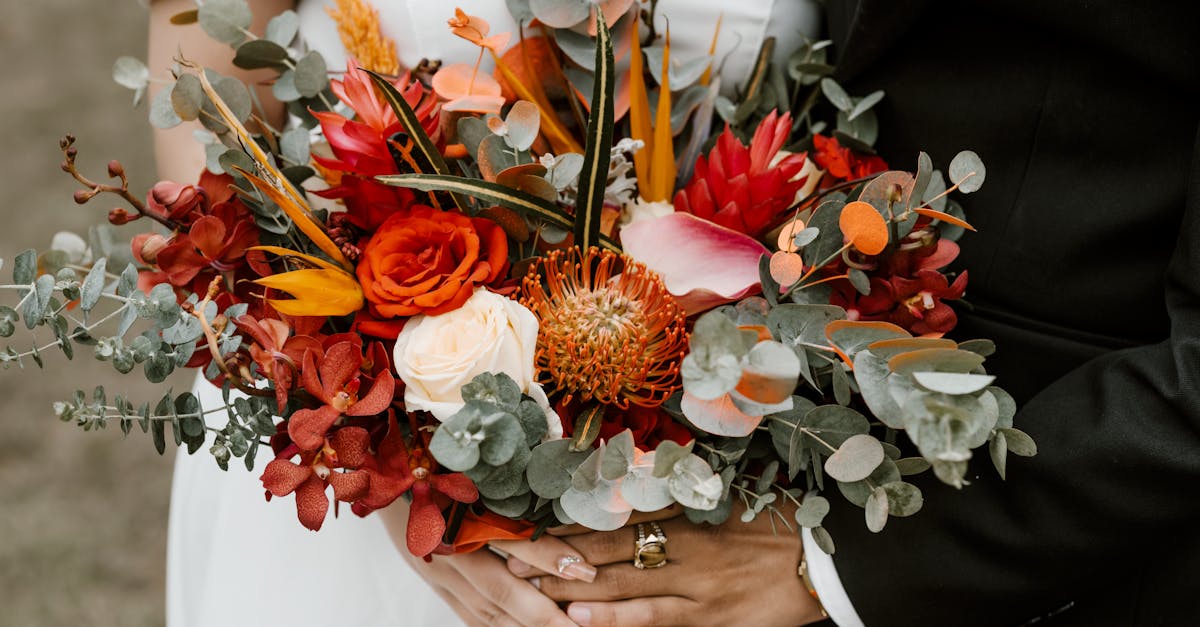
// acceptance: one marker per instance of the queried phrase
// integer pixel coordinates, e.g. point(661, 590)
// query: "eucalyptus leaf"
point(587, 509)
point(131, 73)
point(282, 28)
point(998, 450)
point(225, 20)
point(1019, 442)
point(967, 171)
point(162, 113)
point(872, 375)
point(644, 491)
point(912, 465)
point(261, 53)
point(694, 484)
point(877, 510)
point(953, 383)
point(865, 103)
point(855, 459)
point(984, 348)
point(904, 499)
point(284, 87)
point(836, 95)
point(824, 540)
point(311, 77)
point(294, 144)
point(924, 175)
point(812, 511)
point(668, 454)
point(93, 285)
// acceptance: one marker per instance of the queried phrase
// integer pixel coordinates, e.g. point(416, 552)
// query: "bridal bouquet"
point(518, 306)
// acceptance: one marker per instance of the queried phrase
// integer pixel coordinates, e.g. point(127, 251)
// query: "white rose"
point(436, 356)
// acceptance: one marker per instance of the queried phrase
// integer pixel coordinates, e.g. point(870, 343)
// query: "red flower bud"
point(117, 216)
point(146, 247)
point(115, 169)
point(84, 195)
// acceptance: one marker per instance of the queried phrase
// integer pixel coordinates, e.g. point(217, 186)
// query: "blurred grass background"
point(84, 515)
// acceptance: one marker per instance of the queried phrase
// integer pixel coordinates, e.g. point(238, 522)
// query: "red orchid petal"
point(208, 235)
point(309, 376)
point(377, 399)
point(311, 503)
point(957, 289)
point(339, 366)
point(456, 486)
point(307, 427)
point(281, 477)
point(384, 490)
point(349, 486)
point(393, 452)
point(701, 264)
point(945, 252)
point(425, 522)
point(351, 444)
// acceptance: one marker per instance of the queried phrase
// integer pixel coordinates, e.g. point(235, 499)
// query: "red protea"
point(738, 186)
point(360, 146)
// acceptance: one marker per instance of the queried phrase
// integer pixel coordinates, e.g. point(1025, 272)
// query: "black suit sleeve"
point(1099, 528)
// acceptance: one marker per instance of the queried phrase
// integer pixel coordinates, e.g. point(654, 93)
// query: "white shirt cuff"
point(824, 577)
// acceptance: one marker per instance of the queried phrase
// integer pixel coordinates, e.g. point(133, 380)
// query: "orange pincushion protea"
point(609, 330)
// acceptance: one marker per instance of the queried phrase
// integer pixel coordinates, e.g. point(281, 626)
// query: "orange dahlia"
point(609, 330)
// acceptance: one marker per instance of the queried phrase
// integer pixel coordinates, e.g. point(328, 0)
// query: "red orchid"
point(360, 146)
point(277, 352)
point(346, 449)
point(920, 308)
point(737, 186)
point(335, 377)
point(915, 304)
point(395, 470)
point(217, 241)
point(844, 164)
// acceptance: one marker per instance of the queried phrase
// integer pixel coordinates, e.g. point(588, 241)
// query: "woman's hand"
point(733, 574)
point(480, 588)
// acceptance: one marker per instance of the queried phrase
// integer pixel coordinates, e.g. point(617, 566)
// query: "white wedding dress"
point(234, 559)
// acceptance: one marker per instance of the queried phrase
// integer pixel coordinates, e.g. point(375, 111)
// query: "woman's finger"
point(644, 612)
point(467, 602)
point(637, 517)
point(546, 555)
point(613, 583)
point(517, 597)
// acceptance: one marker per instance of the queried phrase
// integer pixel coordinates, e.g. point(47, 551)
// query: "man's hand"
point(733, 574)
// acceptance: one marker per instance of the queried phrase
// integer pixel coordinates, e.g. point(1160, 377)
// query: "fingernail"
point(580, 614)
point(573, 567)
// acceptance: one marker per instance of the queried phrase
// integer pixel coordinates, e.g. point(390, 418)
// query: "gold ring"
point(650, 551)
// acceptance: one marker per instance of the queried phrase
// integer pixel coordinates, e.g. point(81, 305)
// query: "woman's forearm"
point(179, 156)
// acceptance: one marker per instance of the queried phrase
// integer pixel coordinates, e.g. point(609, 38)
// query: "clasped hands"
point(735, 573)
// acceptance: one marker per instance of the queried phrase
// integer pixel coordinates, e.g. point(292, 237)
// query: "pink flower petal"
point(702, 264)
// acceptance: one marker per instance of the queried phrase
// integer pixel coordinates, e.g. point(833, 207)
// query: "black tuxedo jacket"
point(1086, 271)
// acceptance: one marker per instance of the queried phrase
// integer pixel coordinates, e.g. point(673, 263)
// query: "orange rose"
point(427, 261)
